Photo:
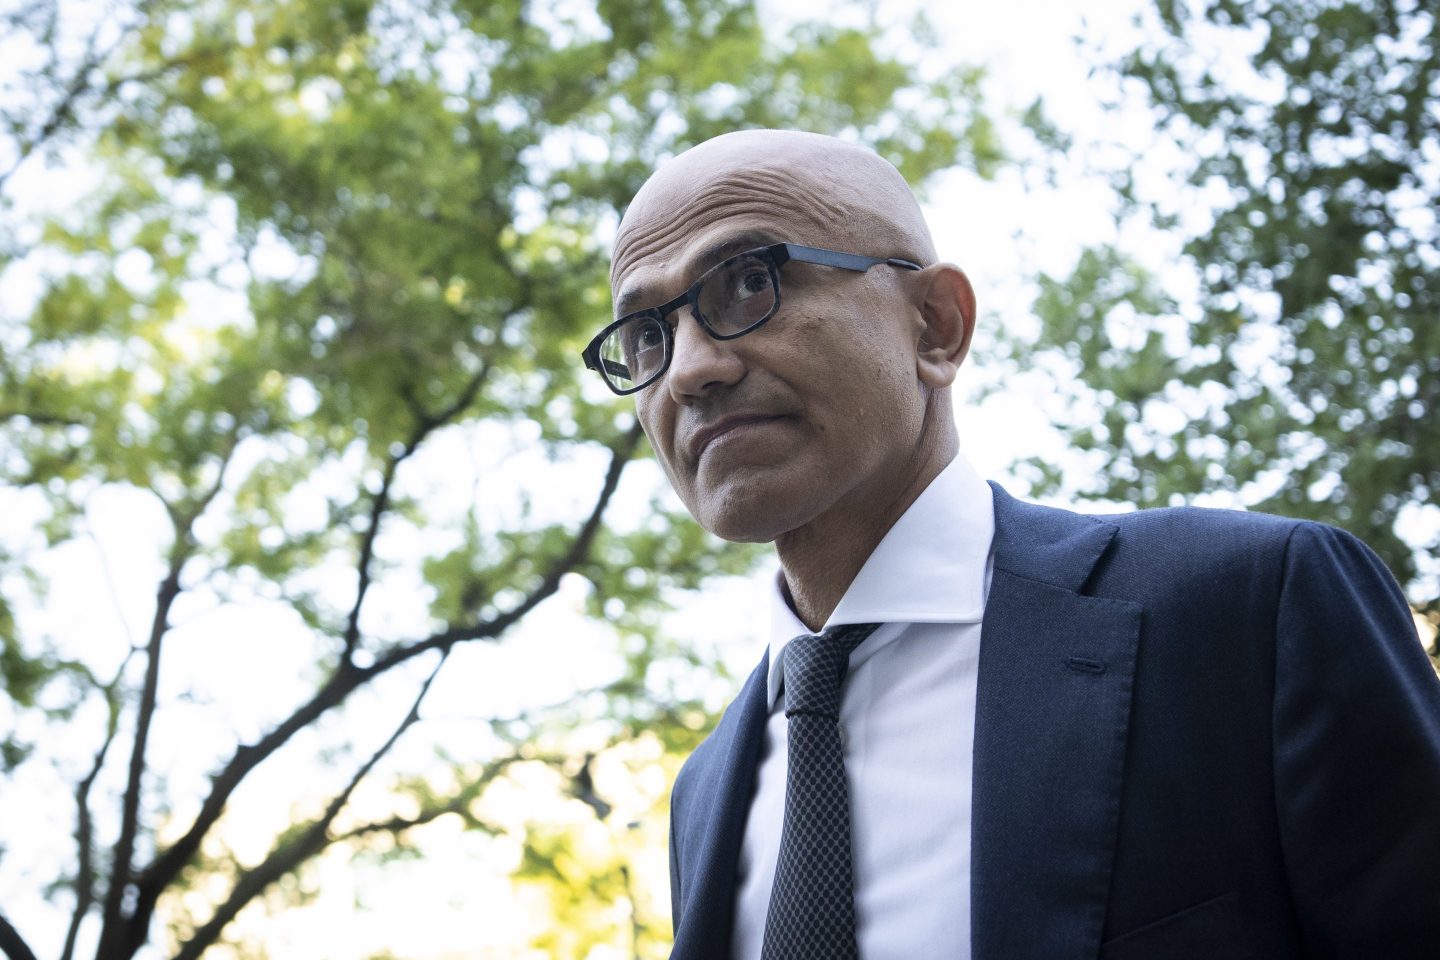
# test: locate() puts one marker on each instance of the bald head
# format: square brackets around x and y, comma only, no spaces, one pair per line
[808,188]
[831,408]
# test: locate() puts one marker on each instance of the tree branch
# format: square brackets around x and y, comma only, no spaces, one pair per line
[168,864]
[342,683]
[636,927]
[426,423]
[429,421]
[378,507]
[115,928]
[84,827]
[289,855]
[36,417]
[120,868]
[456,804]
[79,87]
[12,944]
[579,547]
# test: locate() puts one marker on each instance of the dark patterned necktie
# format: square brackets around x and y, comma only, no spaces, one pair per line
[812,904]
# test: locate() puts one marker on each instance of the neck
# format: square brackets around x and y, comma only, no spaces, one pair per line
[822,558]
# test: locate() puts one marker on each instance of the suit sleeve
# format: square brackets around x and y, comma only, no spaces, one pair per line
[1357,754]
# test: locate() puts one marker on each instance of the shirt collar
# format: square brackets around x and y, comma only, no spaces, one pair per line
[929,568]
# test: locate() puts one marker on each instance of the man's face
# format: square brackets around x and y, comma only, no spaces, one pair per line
[821,408]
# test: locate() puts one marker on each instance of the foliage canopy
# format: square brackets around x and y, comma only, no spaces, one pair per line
[318,314]
[1304,379]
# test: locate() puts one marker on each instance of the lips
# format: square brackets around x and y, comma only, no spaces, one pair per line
[707,435]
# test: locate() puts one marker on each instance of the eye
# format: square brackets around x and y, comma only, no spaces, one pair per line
[640,338]
[755,279]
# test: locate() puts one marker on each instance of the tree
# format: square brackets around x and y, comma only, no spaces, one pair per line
[331,251]
[1304,380]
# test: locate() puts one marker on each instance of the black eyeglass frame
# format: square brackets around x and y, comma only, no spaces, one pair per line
[776,255]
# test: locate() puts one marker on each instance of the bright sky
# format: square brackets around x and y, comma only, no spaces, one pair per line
[458,904]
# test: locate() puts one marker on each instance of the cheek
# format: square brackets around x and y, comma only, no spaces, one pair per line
[657,419]
[863,400]
[657,429]
[849,365]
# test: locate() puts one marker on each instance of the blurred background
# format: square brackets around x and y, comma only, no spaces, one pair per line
[343,614]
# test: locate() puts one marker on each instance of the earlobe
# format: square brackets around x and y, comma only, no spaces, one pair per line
[948,314]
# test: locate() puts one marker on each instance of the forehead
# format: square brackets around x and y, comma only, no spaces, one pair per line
[684,221]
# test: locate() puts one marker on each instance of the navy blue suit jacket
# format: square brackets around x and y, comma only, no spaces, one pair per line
[1198,734]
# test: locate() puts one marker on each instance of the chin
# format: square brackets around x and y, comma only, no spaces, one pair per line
[740,533]
[752,517]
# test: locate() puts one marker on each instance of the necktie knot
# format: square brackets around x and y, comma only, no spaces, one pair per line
[815,668]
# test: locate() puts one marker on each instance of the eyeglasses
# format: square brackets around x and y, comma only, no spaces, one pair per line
[731,299]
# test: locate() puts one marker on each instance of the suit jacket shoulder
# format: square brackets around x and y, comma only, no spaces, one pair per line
[1284,748]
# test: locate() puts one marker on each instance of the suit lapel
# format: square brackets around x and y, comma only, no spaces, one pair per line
[1051,721]
[719,802]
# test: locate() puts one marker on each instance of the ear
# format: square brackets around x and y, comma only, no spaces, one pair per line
[948,314]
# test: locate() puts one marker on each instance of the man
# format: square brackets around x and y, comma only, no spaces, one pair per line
[1167,734]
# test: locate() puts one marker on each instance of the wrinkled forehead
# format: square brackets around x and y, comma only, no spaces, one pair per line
[689,215]
[673,233]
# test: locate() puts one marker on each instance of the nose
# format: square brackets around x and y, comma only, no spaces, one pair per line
[700,362]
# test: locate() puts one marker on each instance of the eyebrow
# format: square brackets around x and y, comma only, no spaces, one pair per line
[637,298]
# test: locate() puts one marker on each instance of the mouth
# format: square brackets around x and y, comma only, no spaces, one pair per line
[725,427]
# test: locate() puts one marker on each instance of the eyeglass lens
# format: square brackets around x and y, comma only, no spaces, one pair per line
[633,352]
[732,297]
[737,294]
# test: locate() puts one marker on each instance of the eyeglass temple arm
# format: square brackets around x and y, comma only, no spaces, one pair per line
[845,261]
[594,361]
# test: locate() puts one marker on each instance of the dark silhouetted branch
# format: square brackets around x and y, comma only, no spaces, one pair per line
[168,864]
[290,854]
[80,86]
[12,944]
[84,825]
[457,804]
[39,419]
[120,868]
[378,506]
[579,548]
[425,424]
[120,935]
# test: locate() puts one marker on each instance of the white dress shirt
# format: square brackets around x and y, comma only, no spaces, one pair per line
[907,722]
